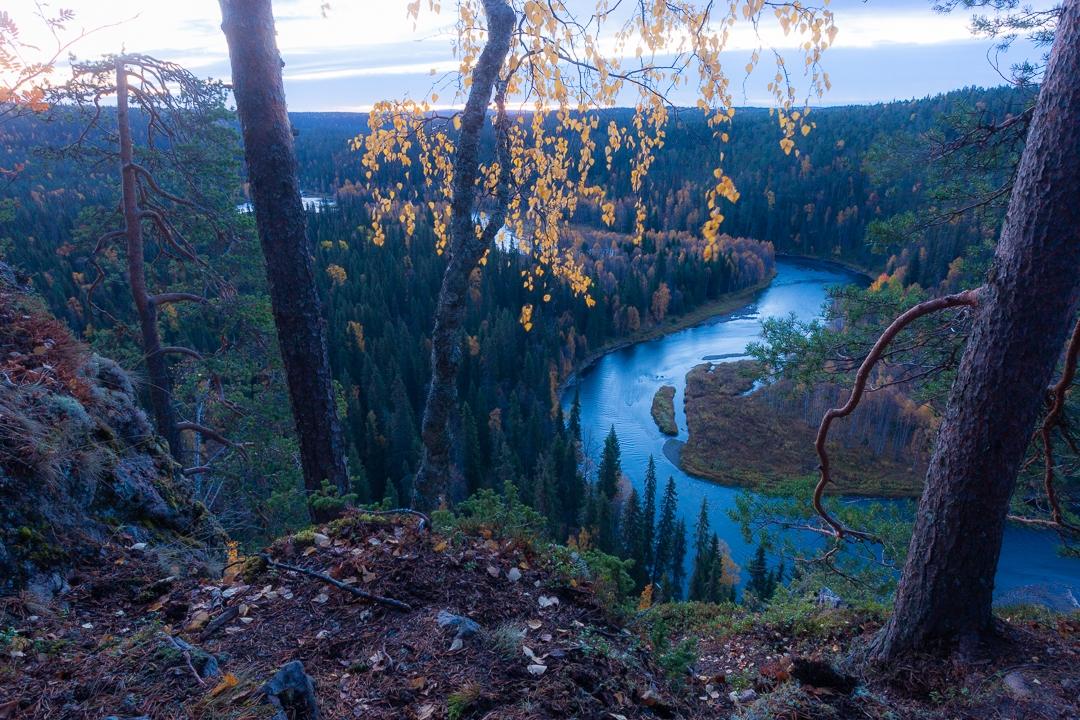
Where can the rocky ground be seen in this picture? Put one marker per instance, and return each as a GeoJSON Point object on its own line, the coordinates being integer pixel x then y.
{"type": "Point", "coordinates": [467, 626]}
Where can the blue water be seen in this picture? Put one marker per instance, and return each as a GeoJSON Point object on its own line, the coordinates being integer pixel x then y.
{"type": "Point", "coordinates": [619, 388]}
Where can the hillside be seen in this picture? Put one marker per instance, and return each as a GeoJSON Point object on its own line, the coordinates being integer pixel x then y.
{"type": "Point", "coordinates": [494, 625]}
{"type": "Point", "coordinates": [761, 438]}
{"type": "Point", "coordinates": [80, 467]}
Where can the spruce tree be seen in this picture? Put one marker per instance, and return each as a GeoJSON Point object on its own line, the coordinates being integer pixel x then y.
{"type": "Point", "coordinates": [665, 534]}
{"type": "Point", "coordinates": [610, 470]}
{"type": "Point", "coordinates": [715, 591]}
{"type": "Point", "coordinates": [760, 583]}
{"type": "Point", "coordinates": [574, 427]}
{"type": "Point", "coordinates": [678, 558]}
{"type": "Point", "coordinates": [703, 559]}
{"type": "Point", "coordinates": [633, 540]}
{"type": "Point", "coordinates": [648, 518]}
{"type": "Point", "coordinates": [606, 523]}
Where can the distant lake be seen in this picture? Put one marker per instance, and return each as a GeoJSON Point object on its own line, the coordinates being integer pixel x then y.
{"type": "Point", "coordinates": [312, 203]}
{"type": "Point", "coordinates": [618, 389]}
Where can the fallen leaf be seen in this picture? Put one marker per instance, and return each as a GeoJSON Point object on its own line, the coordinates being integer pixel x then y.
{"type": "Point", "coordinates": [440, 546]}
{"type": "Point", "coordinates": [228, 681]}
{"type": "Point", "coordinates": [321, 598]}
{"type": "Point", "coordinates": [425, 712]}
{"type": "Point", "coordinates": [546, 601]}
{"type": "Point", "coordinates": [417, 683]}
{"type": "Point", "coordinates": [493, 571]}
{"type": "Point", "coordinates": [537, 669]}
{"type": "Point", "coordinates": [534, 624]}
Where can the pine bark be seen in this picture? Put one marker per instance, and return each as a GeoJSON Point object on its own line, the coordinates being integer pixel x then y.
{"type": "Point", "coordinates": [157, 369]}
{"type": "Point", "coordinates": [440, 477]}
{"type": "Point", "coordinates": [1029, 303]}
{"type": "Point", "coordinates": [279, 216]}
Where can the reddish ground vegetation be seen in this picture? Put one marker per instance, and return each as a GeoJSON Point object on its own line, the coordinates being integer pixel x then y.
{"type": "Point", "coordinates": [38, 348]}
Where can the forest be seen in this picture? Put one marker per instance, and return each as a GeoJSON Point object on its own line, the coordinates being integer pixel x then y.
{"type": "Point", "coordinates": [269, 457]}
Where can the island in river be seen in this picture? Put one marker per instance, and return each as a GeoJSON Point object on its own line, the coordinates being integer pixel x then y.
{"type": "Point", "coordinates": [745, 433]}
{"type": "Point", "coordinates": [663, 410]}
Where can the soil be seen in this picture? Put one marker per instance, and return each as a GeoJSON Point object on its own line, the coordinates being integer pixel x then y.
{"type": "Point", "coordinates": [114, 644]}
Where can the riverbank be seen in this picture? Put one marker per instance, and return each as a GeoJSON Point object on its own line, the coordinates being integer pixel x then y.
{"type": "Point", "coordinates": [727, 303]}
{"type": "Point", "coordinates": [764, 438]}
{"type": "Point", "coordinates": [868, 274]}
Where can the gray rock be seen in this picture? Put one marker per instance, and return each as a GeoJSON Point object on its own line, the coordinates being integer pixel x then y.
{"type": "Point", "coordinates": [205, 664]}
{"type": "Point", "coordinates": [742, 696]}
{"type": "Point", "coordinates": [827, 598]}
{"type": "Point", "coordinates": [1017, 685]}
{"type": "Point", "coordinates": [292, 692]}
{"type": "Point", "coordinates": [464, 627]}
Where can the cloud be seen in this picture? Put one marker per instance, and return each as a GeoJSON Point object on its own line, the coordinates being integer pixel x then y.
{"type": "Point", "coordinates": [366, 51]}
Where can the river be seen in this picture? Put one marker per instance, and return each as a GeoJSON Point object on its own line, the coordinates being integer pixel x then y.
{"type": "Point", "coordinates": [618, 389]}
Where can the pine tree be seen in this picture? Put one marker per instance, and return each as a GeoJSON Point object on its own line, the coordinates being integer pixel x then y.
{"type": "Point", "coordinates": [665, 533]}
{"type": "Point", "coordinates": [703, 559]}
{"type": "Point", "coordinates": [648, 518]}
{"type": "Point", "coordinates": [610, 470]}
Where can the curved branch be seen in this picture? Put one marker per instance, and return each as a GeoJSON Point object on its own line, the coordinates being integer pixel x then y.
{"type": "Point", "coordinates": [212, 434]}
{"type": "Point", "coordinates": [152, 182]}
{"type": "Point", "coordinates": [175, 297]}
{"type": "Point", "coordinates": [180, 350]}
{"type": "Point", "coordinates": [1053, 418]}
{"type": "Point", "coordinates": [969, 298]}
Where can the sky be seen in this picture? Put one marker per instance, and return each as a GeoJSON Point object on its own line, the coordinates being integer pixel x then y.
{"type": "Point", "coordinates": [363, 51]}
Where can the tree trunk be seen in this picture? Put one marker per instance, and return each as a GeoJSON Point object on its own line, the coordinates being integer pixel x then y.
{"type": "Point", "coordinates": [279, 216]}
{"type": "Point", "coordinates": [157, 370]}
{"type": "Point", "coordinates": [1024, 313]}
{"type": "Point", "coordinates": [440, 476]}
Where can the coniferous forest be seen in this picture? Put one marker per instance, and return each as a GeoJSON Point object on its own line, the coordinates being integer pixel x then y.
{"type": "Point", "coordinates": [372, 414]}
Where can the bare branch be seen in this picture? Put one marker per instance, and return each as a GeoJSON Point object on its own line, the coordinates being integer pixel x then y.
{"type": "Point", "coordinates": [176, 297]}
{"type": "Point", "coordinates": [212, 434]}
{"type": "Point", "coordinates": [180, 350]}
{"type": "Point", "coordinates": [389, 602]}
{"type": "Point", "coordinates": [968, 298]}
{"type": "Point", "coordinates": [1053, 419]}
